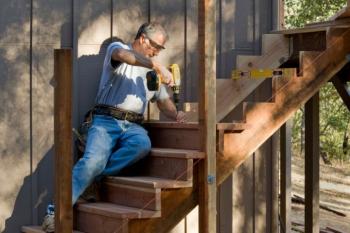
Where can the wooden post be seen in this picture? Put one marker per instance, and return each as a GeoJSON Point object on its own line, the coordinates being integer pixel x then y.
{"type": "Point", "coordinates": [274, 182]}
{"type": "Point", "coordinates": [63, 140]}
{"type": "Point", "coordinates": [286, 177]}
{"type": "Point", "coordinates": [207, 114]}
{"type": "Point", "coordinates": [312, 158]}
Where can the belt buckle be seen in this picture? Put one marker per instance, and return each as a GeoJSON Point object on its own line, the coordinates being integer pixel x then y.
{"type": "Point", "coordinates": [126, 115]}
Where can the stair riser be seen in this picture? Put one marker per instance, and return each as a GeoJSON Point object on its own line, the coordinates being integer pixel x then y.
{"type": "Point", "coordinates": [175, 138]}
{"type": "Point", "coordinates": [132, 196]}
{"type": "Point", "coordinates": [169, 168]}
{"type": "Point", "coordinates": [93, 223]}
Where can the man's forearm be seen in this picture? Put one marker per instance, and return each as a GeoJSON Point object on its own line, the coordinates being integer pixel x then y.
{"type": "Point", "coordinates": [132, 58]}
{"type": "Point", "coordinates": [168, 108]}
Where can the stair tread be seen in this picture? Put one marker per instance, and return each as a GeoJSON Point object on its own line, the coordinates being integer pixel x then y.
{"type": "Point", "coordinates": [168, 124]}
{"type": "Point", "coordinates": [117, 211]}
{"type": "Point", "coordinates": [233, 126]}
{"type": "Point", "coordinates": [177, 153]}
{"type": "Point", "coordinates": [149, 182]}
{"type": "Point", "coordinates": [37, 229]}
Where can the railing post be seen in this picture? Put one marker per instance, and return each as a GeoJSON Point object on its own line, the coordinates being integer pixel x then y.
{"type": "Point", "coordinates": [63, 140]}
{"type": "Point", "coordinates": [286, 177]}
{"type": "Point", "coordinates": [312, 163]}
{"type": "Point", "coordinates": [207, 114]}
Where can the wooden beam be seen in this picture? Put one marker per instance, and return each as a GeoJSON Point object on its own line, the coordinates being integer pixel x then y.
{"type": "Point", "coordinates": [342, 89]}
{"type": "Point", "coordinates": [266, 118]}
{"type": "Point", "coordinates": [312, 157]}
{"type": "Point", "coordinates": [312, 41]}
{"type": "Point", "coordinates": [207, 117]}
{"type": "Point", "coordinates": [63, 140]}
{"type": "Point", "coordinates": [286, 176]}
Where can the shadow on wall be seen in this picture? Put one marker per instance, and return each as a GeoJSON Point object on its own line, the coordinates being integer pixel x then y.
{"type": "Point", "coordinates": [42, 174]}
{"type": "Point", "coordinates": [89, 69]}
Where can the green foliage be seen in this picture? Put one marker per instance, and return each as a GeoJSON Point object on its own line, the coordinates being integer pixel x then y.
{"type": "Point", "coordinates": [334, 116]}
{"type": "Point", "coordinates": [301, 12]}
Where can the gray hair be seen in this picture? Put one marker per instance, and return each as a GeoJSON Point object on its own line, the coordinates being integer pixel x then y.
{"type": "Point", "coordinates": [150, 29]}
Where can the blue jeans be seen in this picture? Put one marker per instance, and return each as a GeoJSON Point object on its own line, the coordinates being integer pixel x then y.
{"type": "Point", "coordinates": [111, 146]}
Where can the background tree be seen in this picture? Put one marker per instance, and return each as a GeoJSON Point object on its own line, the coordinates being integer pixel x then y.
{"type": "Point", "coordinates": [334, 116]}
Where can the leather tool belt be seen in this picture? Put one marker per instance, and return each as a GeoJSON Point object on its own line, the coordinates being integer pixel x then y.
{"type": "Point", "coordinates": [118, 113]}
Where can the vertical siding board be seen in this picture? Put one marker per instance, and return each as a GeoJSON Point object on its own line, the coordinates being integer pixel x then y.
{"type": "Point", "coordinates": [51, 29]}
{"type": "Point", "coordinates": [243, 197]}
{"type": "Point", "coordinates": [123, 11]}
{"type": "Point", "coordinates": [171, 15]}
{"type": "Point", "coordinates": [15, 151]}
{"type": "Point", "coordinates": [93, 27]}
{"type": "Point", "coordinates": [190, 80]}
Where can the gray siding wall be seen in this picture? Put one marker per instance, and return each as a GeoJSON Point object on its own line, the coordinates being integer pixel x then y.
{"type": "Point", "coordinates": [31, 29]}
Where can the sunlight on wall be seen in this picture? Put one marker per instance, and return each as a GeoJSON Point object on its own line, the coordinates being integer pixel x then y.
{"type": "Point", "coordinates": [93, 36]}
{"type": "Point", "coordinates": [12, 171]}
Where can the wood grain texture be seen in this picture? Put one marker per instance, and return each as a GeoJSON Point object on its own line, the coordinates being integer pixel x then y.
{"type": "Point", "coordinates": [312, 165]}
{"type": "Point", "coordinates": [206, 115]}
{"type": "Point", "coordinates": [317, 69]}
{"type": "Point", "coordinates": [63, 140]}
{"type": "Point", "coordinates": [275, 50]}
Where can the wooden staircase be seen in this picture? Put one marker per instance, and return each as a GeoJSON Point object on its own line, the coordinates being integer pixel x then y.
{"type": "Point", "coordinates": [156, 193]}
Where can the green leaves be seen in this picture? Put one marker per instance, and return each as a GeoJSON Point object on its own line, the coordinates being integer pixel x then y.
{"type": "Point", "coordinates": [300, 12]}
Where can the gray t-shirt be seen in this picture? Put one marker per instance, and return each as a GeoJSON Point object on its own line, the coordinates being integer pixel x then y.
{"type": "Point", "coordinates": [125, 86]}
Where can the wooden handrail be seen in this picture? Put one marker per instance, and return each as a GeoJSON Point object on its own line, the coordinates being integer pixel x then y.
{"type": "Point", "coordinates": [63, 140]}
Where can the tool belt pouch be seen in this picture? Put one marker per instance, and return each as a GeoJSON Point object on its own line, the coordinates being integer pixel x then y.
{"type": "Point", "coordinates": [82, 132]}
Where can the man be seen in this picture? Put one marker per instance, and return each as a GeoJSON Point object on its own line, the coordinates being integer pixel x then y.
{"type": "Point", "coordinates": [116, 139]}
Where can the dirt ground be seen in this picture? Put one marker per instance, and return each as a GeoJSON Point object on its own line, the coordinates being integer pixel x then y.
{"type": "Point", "coordinates": [334, 194]}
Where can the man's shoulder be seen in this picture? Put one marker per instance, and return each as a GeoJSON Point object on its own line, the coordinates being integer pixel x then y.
{"type": "Point", "coordinates": [118, 44]}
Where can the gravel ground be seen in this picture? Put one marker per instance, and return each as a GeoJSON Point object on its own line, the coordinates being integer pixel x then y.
{"type": "Point", "coordinates": [334, 194]}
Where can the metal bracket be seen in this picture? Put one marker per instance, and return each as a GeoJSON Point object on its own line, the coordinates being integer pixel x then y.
{"type": "Point", "coordinates": [211, 179]}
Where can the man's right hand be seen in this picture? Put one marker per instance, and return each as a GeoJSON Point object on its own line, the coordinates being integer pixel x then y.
{"type": "Point", "coordinates": [167, 76]}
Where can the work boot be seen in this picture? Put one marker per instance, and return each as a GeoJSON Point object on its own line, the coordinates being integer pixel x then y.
{"type": "Point", "coordinates": [49, 219]}
{"type": "Point", "coordinates": [91, 193]}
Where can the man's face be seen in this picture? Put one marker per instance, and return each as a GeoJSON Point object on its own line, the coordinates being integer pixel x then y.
{"type": "Point", "coordinates": [152, 46]}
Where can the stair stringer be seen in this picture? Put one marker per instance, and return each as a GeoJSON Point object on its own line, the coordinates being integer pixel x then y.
{"type": "Point", "coordinates": [175, 205]}
{"type": "Point", "coordinates": [318, 68]}
{"type": "Point", "coordinates": [275, 51]}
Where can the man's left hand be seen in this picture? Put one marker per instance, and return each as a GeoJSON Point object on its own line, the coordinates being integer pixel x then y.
{"type": "Point", "coordinates": [181, 117]}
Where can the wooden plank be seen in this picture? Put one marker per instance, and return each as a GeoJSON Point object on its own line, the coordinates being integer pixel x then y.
{"type": "Point", "coordinates": [230, 93]}
{"type": "Point", "coordinates": [286, 176]}
{"type": "Point", "coordinates": [273, 184]}
{"type": "Point", "coordinates": [92, 27]}
{"type": "Point", "coordinates": [207, 117]}
{"type": "Point", "coordinates": [149, 182]}
{"type": "Point", "coordinates": [15, 127]}
{"type": "Point", "coordinates": [63, 140]}
{"type": "Point", "coordinates": [175, 205]}
{"type": "Point", "coordinates": [294, 94]}
{"type": "Point", "coordinates": [181, 136]}
{"type": "Point", "coordinates": [131, 193]}
{"type": "Point", "coordinates": [191, 56]}
{"type": "Point", "coordinates": [342, 89]}
{"type": "Point", "coordinates": [123, 11]}
{"type": "Point", "coordinates": [116, 211]}
{"type": "Point", "coordinates": [312, 165]}
{"type": "Point", "coordinates": [48, 33]}
{"type": "Point", "coordinates": [317, 27]}
{"type": "Point", "coordinates": [312, 41]}
{"type": "Point", "coordinates": [38, 229]}
{"type": "Point", "coordinates": [94, 223]}
{"type": "Point", "coordinates": [176, 153]}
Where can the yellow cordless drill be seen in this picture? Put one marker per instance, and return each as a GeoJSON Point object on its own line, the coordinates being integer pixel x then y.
{"type": "Point", "coordinates": [154, 80]}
